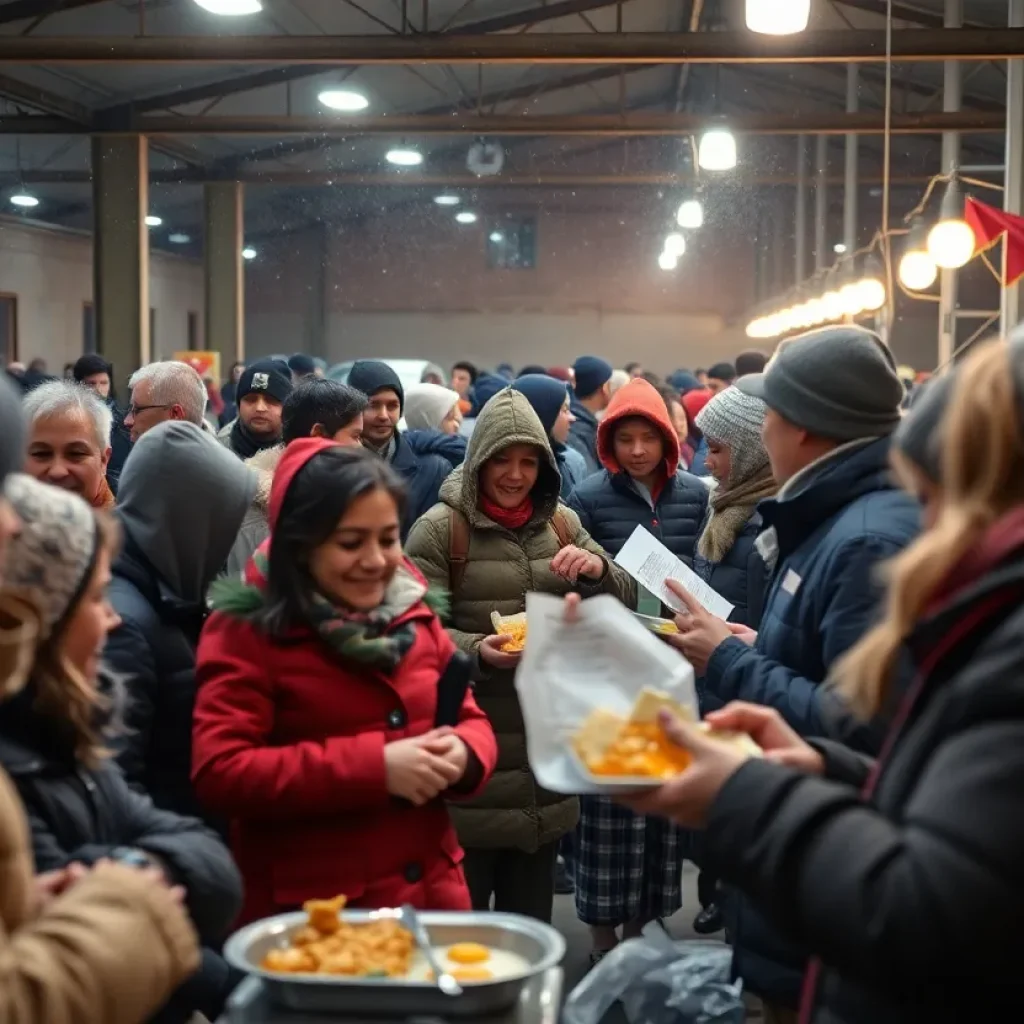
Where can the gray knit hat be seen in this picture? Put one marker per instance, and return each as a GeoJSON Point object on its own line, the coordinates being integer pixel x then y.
{"type": "Point", "coordinates": [734, 419]}
{"type": "Point", "coordinates": [919, 436]}
{"type": "Point", "coordinates": [836, 382]}
{"type": "Point", "coordinates": [50, 562]}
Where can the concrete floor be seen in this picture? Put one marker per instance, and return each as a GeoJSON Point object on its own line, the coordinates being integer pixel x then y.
{"type": "Point", "coordinates": [577, 937]}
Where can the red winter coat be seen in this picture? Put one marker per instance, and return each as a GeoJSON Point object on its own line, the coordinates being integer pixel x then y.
{"type": "Point", "coordinates": [288, 742]}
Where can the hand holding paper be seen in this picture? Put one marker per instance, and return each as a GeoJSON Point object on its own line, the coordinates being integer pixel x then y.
{"type": "Point", "coordinates": [700, 632]}
{"type": "Point", "coordinates": [650, 563]}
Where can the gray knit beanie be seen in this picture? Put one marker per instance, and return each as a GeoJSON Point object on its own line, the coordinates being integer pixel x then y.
{"type": "Point", "coordinates": [734, 419]}
{"type": "Point", "coordinates": [919, 436]}
{"type": "Point", "coordinates": [836, 382]}
{"type": "Point", "coordinates": [50, 561]}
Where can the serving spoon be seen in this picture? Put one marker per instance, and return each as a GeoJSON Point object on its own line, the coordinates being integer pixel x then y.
{"type": "Point", "coordinates": [410, 920]}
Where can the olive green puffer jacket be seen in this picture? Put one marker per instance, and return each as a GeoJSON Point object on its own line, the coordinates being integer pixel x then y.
{"type": "Point", "coordinates": [501, 567]}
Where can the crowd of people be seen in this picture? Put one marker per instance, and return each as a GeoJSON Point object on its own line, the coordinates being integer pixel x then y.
{"type": "Point", "coordinates": [247, 660]}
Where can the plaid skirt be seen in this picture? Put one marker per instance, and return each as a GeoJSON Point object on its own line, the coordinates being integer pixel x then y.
{"type": "Point", "coordinates": [627, 867]}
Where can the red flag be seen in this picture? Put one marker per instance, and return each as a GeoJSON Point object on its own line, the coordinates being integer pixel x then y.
{"type": "Point", "coordinates": [989, 226]}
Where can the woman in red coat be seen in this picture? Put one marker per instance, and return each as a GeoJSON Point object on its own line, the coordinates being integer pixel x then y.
{"type": "Point", "coordinates": [316, 725]}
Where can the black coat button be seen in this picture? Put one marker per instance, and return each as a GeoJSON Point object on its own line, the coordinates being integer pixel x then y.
{"type": "Point", "coordinates": [396, 720]}
{"type": "Point", "coordinates": [413, 872]}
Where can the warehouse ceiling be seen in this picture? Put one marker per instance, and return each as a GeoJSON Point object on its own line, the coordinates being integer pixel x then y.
{"type": "Point", "coordinates": [591, 132]}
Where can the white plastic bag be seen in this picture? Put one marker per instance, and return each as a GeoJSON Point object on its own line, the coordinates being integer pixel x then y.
{"type": "Point", "coordinates": [659, 981]}
{"type": "Point", "coordinates": [603, 660]}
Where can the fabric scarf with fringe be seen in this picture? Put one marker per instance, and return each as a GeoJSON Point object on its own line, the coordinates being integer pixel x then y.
{"type": "Point", "coordinates": [731, 510]}
{"type": "Point", "coordinates": [365, 638]}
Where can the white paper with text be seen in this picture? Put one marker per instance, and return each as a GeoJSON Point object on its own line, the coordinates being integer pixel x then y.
{"type": "Point", "coordinates": [650, 563]}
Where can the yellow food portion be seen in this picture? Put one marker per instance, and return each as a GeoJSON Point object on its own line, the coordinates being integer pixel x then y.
{"type": "Point", "coordinates": [666, 628]}
{"type": "Point", "coordinates": [516, 630]}
{"type": "Point", "coordinates": [327, 944]}
{"type": "Point", "coordinates": [640, 749]}
{"type": "Point", "coordinates": [469, 953]}
{"type": "Point", "coordinates": [474, 973]}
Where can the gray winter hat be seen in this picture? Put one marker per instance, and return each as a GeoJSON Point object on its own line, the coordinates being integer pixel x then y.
{"type": "Point", "coordinates": [836, 382]}
{"type": "Point", "coordinates": [12, 430]}
{"type": "Point", "coordinates": [734, 419]}
{"type": "Point", "coordinates": [919, 436]}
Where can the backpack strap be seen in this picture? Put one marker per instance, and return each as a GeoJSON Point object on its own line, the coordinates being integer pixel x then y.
{"type": "Point", "coordinates": [563, 531]}
{"type": "Point", "coordinates": [458, 548]}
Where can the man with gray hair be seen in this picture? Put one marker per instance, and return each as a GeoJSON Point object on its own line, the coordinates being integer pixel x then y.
{"type": "Point", "coordinates": [164, 391]}
{"type": "Point", "coordinates": [69, 440]}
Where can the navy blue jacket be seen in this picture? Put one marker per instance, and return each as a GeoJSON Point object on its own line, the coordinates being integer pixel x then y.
{"type": "Point", "coordinates": [120, 446]}
{"type": "Point", "coordinates": [432, 442]}
{"type": "Point", "coordinates": [611, 508]}
{"type": "Point", "coordinates": [423, 475]}
{"type": "Point", "coordinates": [742, 576]}
{"type": "Point", "coordinates": [842, 523]}
{"type": "Point", "coordinates": [583, 433]}
{"type": "Point", "coordinates": [572, 468]}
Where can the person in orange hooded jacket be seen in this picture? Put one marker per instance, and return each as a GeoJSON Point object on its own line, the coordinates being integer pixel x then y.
{"type": "Point", "coordinates": [323, 680]}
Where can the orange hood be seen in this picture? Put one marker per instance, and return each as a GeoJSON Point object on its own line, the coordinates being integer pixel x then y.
{"type": "Point", "coordinates": [637, 398]}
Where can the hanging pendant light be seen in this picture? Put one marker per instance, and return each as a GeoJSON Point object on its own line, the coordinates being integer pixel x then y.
{"type": "Point", "coordinates": [871, 285]}
{"type": "Point", "coordinates": [717, 149]}
{"type": "Point", "coordinates": [917, 270]}
{"type": "Point", "coordinates": [951, 241]}
{"type": "Point", "coordinates": [690, 214]}
{"type": "Point", "coordinates": [778, 17]}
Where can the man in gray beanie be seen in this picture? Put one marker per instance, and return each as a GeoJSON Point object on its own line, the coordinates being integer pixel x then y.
{"type": "Point", "coordinates": [833, 401]}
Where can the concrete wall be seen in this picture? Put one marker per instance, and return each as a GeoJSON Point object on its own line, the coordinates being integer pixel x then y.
{"type": "Point", "coordinates": [418, 285]}
{"type": "Point", "coordinates": [50, 272]}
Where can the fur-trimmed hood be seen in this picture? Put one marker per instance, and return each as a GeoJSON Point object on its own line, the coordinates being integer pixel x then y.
{"type": "Point", "coordinates": [264, 464]}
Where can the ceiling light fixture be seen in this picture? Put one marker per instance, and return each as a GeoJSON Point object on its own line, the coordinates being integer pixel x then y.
{"type": "Point", "coordinates": [675, 243]}
{"type": "Point", "coordinates": [178, 238]}
{"type": "Point", "coordinates": [717, 149]}
{"type": "Point", "coordinates": [248, 253]}
{"type": "Point", "coordinates": [778, 17]}
{"type": "Point", "coordinates": [230, 8]}
{"type": "Point", "coordinates": [153, 221]}
{"type": "Point", "coordinates": [839, 248]}
{"type": "Point", "coordinates": [690, 214]}
{"type": "Point", "coordinates": [346, 100]}
{"type": "Point", "coordinates": [466, 217]}
{"type": "Point", "coordinates": [871, 285]}
{"type": "Point", "coordinates": [917, 269]}
{"type": "Point", "coordinates": [403, 156]}
{"type": "Point", "coordinates": [446, 199]}
{"type": "Point", "coordinates": [668, 260]}
{"type": "Point", "coordinates": [25, 200]}
{"type": "Point", "coordinates": [496, 237]}
{"type": "Point", "coordinates": [951, 241]}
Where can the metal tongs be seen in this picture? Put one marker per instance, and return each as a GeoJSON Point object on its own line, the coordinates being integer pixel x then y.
{"type": "Point", "coordinates": [410, 920]}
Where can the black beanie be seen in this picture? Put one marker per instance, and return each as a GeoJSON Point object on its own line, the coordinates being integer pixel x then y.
{"type": "Point", "coordinates": [267, 377]}
{"type": "Point", "coordinates": [91, 364]}
{"type": "Point", "coordinates": [302, 365]}
{"type": "Point", "coordinates": [371, 376]}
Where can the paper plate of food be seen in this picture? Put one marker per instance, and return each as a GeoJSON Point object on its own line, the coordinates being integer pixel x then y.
{"type": "Point", "coordinates": [513, 626]}
{"type": "Point", "coordinates": [621, 753]}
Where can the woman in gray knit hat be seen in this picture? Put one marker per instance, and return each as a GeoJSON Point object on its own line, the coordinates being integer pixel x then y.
{"type": "Point", "coordinates": [726, 556]}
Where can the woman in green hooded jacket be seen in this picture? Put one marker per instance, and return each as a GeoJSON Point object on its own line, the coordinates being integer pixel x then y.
{"type": "Point", "coordinates": [499, 532]}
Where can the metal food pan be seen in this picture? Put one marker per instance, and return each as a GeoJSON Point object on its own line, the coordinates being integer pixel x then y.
{"type": "Point", "coordinates": [539, 944]}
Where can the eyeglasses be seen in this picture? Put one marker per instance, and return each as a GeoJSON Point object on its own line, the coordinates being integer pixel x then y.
{"type": "Point", "coordinates": [134, 410]}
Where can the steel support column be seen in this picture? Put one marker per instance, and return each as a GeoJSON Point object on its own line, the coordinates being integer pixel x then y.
{"type": "Point", "coordinates": [951, 100]}
{"type": "Point", "coordinates": [224, 277]}
{"type": "Point", "coordinates": [1013, 197]}
{"type": "Point", "coordinates": [821, 203]}
{"type": "Point", "coordinates": [852, 160]}
{"type": "Point", "coordinates": [120, 167]}
{"type": "Point", "coordinates": [800, 249]}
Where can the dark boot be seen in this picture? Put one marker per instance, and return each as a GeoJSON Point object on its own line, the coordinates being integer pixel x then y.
{"type": "Point", "coordinates": [709, 920]}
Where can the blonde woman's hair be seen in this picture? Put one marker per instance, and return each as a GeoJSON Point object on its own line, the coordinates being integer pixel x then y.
{"type": "Point", "coordinates": [982, 479]}
{"type": "Point", "coordinates": [61, 691]}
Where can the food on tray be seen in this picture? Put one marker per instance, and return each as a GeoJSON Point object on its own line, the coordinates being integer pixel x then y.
{"type": "Point", "coordinates": [472, 973]}
{"type": "Point", "coordinates": [513, 626]}
{"type": "Point", "coordinates": [611, 746]}
{"type": "Point", "coordinates": [327, 944]}
{"type": "Point", "coordinates": [469, 953]}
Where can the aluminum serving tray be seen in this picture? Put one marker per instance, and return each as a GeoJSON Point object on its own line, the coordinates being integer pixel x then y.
{"type": "Point", "coordinates": [539, 944]}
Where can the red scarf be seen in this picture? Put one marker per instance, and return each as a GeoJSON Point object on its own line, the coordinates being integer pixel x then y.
{"type": "Point", "coordinates": [511, 518]}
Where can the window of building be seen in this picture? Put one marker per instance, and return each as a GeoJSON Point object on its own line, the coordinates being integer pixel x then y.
{"type": "Point", "coordinates": [193, 331]}
{"type": "Point", "coordinates": [8, 326]}
{"type": "Point", "coordinates": [88, 328]}
{"type": "Point", "coordinates": [512, 243]}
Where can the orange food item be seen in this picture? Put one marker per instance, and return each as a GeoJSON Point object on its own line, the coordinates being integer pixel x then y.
{"type": "Point", "coordinates": [474, 973]}
{"type": "Point", "coordinates": [641, 749]}
{"type": "Point", "coordinates": [516, 630]}
{"type": "Point", "coordinates": [327, 944]}
{"type": "Point", "coordinates": [469, 953]}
